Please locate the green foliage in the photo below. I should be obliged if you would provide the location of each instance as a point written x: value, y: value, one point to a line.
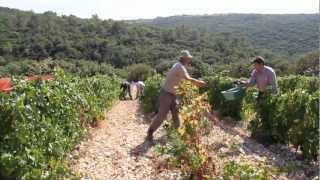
x: 216, y: 84
x: 98, y: 93
x: 164, y: 66
x: 176, y: 147
x: 150, y: 99
x: 69, y: 41
x: 233, y: 170
x: 285, y: 34
x: 199, y: 69
x: 39, y: 36
x: 290, y: 117
x: 290, y: 83
x: 2, y: 61
x: 185, y: 148
x: 236, y: 143
x: 308, y: 64
x: 139, y: 72
x: 42, y: 120
x: 31, y: 67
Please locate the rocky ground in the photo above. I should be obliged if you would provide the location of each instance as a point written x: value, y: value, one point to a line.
x: 116, y: 149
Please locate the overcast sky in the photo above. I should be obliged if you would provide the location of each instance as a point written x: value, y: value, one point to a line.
x: 135, y: 9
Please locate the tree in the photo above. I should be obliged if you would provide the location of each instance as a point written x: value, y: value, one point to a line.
x: 308, y: 64
x: 139, y: 72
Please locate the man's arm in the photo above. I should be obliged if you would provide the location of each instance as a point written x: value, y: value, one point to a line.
x: 196, y: 82
x: 252, y: 81
x: 273, y: 82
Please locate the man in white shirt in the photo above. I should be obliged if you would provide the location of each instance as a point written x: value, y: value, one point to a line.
x: 140, y: 86
x: 167, y: 99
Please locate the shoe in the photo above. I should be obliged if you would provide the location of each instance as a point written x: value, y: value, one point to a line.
x: 149, y: 138
x: 264, y: 140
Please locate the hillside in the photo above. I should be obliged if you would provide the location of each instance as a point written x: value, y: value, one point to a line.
x: 93, y: 44
x: 38, y: 36
x: 286, y: 34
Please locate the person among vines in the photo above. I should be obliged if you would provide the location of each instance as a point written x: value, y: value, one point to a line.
x: 263, y: 77
x: 140, y: 87
x: 125, y: 90
x: 167, y: 98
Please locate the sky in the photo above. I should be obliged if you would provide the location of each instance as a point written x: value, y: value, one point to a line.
x: 147, y: 9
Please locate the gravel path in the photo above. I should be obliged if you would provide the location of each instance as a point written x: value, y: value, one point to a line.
x: 116, y: 149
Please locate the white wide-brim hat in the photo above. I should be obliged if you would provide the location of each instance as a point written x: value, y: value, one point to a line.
x: 186, y: 54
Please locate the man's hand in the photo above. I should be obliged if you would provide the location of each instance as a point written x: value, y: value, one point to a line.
x: 197, y: 82
x: 243, y: 82
x: 201, y: 83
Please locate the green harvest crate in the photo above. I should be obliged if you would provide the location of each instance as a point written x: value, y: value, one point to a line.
x: 233, y: 93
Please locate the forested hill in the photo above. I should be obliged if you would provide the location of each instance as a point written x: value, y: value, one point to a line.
x: 25, y: 34
x: 286, y: 34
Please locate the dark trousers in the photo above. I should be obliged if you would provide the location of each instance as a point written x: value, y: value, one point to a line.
x: 167, y: 102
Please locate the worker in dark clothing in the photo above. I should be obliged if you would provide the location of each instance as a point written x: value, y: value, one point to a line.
x: 125, y: 90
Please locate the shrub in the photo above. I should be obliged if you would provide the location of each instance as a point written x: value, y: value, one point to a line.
x: 216, y: 84
x: 40, y: 122
x: 185, y: 148
x: 233, y: 170
x: 289, y: 117
x: 139, y: 72
x: 150, y: 99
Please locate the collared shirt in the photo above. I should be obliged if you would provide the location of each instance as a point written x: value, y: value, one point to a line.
x: 175, y: 75
x: 264, y: 78
x: 141, y: 83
